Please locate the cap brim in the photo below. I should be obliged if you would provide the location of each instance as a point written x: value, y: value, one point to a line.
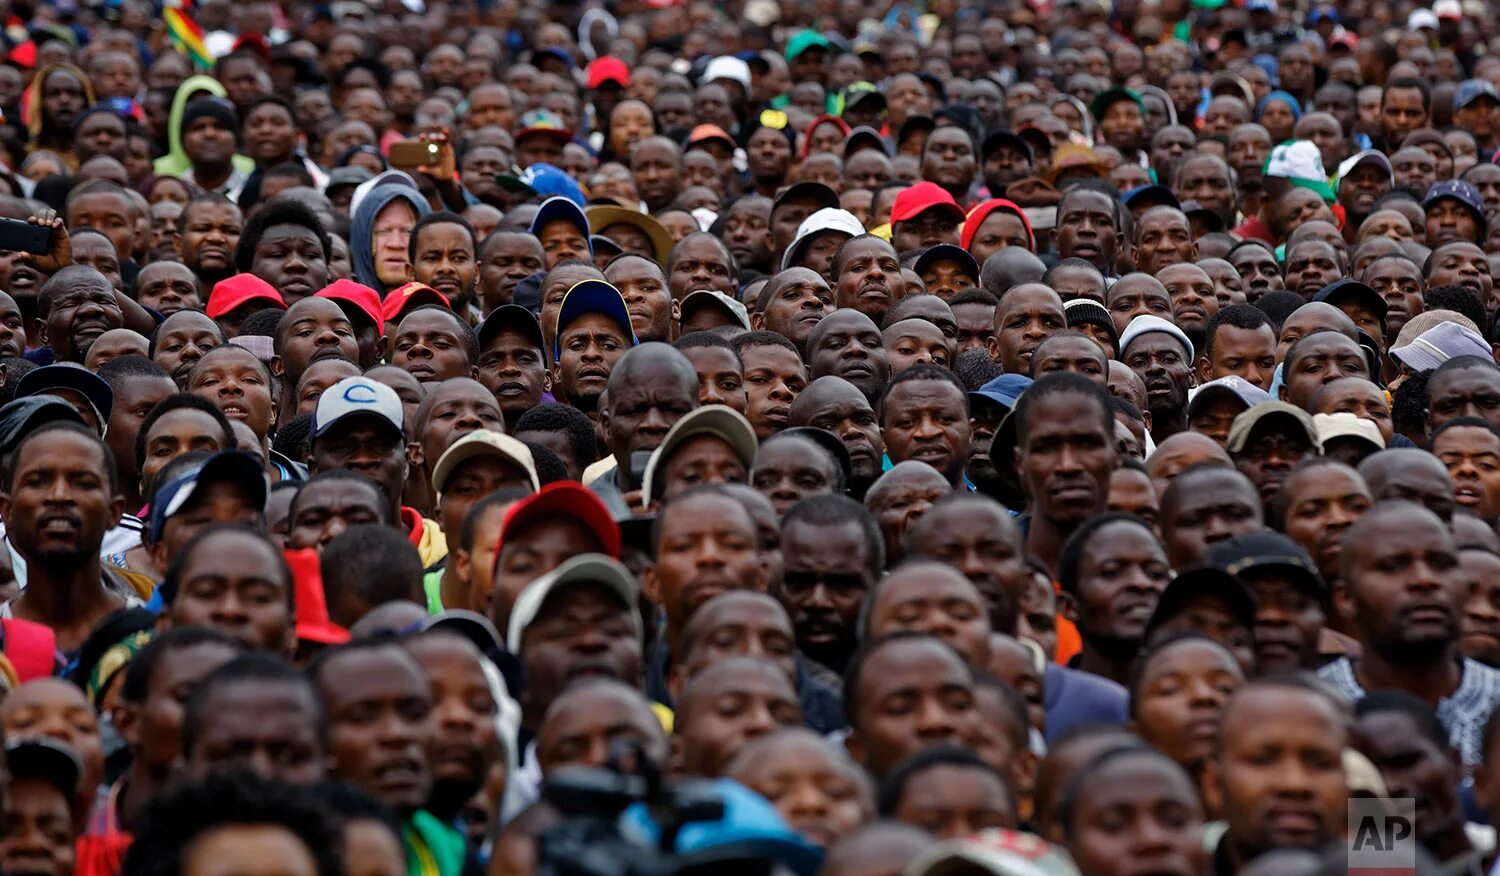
x: 585, y: 568
x: 461, y: 451
x: 80, y: 380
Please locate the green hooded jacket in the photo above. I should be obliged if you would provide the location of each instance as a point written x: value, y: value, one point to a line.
x: 175, y: 162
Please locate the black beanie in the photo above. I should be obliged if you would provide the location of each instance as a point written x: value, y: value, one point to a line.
x: 213, y: 107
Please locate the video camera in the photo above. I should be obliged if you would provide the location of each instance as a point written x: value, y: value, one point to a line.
x: 628, y: 820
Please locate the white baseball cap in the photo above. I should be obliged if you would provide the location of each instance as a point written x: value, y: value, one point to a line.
x: 357, y: 395
x: 825, y: 219
x: 728, y: 67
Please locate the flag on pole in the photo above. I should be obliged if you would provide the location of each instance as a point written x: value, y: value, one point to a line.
x: 186, y: 35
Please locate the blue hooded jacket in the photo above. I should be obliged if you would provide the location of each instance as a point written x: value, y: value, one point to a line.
x: 362, y: 228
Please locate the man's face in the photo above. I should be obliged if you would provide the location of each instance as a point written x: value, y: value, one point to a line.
x: 1414, y: 168
x: 210, y: 233
x: 701, y: 263
x: 508, y: 260
x: 1217, y: 509
x: 1449, y: 220
x: 582, y: 629
x: 870, y: 279
x: 1005, y: 165
x: 747, y: 232
x: 1206, y: 180
x: 774, y: 377
x: 846, y: 344
x: 268, y: 727
x: 800, y: 301
x: 155, y: 728
x: 653, y: 163
x: 182, y: 341
x: 1258, y: 269
x: 207, y: 142
x: 313, y: 330
x: 428, y: 345
x: 1086, y: 229
x: 60, y: 502
x: 1163, y: 365
x: 647, y: 296
x: 1399, y: 282
x: 1282, y: 776
x: 372, y: 448
x: 931, y: 227
x: 168, y: 288
x: 380, y: 726
x: 1322, y: 502
x: 1401, y: 112
x: 1065, y: 458
x: 927, y: 420
x: 1120, y: 578
x: 826, y: 577
x: 982, y: 543
x: 1462, y: 264
x: 912, y: 694
x: 730, y: 705
x: 1469, y: 392
x: 1162, y: 238
x: 1311, y: 265
x: 1246, y: 353
x: 1271, y: 451
x: 239, y: 587
x: 1123, y: 125
x: 708, y: 547
x: 1414, y: 765
x: 588, y: 349
x: 1194, y: 301
x: 1022, y: 321
x: 1360, y: 187
x: 936, y: 600
x: 445, y: 261
x: 292, y: 259
x: 1320, y: 358
x: 79, y: 314
x: 512, y: 368
x: 948, y: 159
x: 840, y: 408
x: 108, y: 213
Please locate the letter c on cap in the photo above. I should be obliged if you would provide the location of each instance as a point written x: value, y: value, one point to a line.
x: 360, y: 394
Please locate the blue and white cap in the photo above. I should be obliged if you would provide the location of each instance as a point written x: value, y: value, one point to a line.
x: 357, y: 395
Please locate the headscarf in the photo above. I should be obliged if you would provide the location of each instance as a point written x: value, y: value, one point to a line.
x: 1282, y: 96
x: 362, y: 227
x: 31, y: 101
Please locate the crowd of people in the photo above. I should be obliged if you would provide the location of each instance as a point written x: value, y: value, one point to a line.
x: 1009, y: 438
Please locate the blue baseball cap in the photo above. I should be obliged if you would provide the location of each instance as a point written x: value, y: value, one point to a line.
x: 591, y: 296
x: 1461, y: 191
x: 228, y: 466
x: 545, y: 180
x: 1472, y: 90
x: 749, y: 828
x: 562, y: 209
x: 1004, y: 390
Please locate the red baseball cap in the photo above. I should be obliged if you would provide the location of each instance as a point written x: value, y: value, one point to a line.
x: 367, y: 300
x: 310, y: 602
x: 239, y: 290
x: 570, y: 499
x: 915, y: 200
x: 982, y: 212
x: 413, y: 294
x: 608, y: 69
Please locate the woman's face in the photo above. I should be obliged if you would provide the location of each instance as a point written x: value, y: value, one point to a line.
x: 169, y: 189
